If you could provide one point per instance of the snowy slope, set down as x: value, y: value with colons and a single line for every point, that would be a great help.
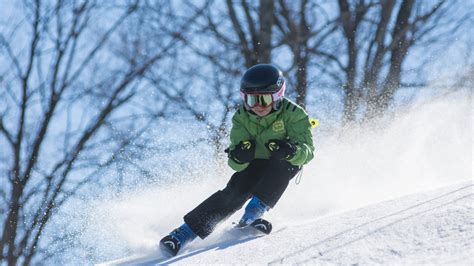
x: 371, y: 195
x: 434, y: 227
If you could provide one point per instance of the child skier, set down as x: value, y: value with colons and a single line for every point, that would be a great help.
x: 270, y: 141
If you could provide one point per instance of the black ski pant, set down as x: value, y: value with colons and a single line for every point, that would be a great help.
x: 266, y: 179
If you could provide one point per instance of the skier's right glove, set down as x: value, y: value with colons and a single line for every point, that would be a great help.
x: 243, y: 152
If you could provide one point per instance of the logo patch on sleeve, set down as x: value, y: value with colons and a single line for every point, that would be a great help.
x: 278, y: 126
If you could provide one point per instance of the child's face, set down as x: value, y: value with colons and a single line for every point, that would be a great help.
x: 262, y: 111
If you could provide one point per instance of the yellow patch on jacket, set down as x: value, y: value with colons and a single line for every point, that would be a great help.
x: 278, y: 126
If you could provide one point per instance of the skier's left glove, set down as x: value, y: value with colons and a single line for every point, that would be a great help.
x: 281, y: 149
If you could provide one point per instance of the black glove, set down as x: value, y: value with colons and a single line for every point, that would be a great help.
x: 281, y: 149
x: 243, y: 152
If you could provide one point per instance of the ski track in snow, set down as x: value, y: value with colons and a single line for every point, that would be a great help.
x: 402, y: 235
x: 434, y: 227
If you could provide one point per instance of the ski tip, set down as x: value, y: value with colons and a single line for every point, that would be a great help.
x: 170, y: 246
x: 263, y: 226
x: 260, y: 224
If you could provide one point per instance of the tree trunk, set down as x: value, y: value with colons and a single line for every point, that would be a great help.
x: 264, y: 46
x: 301, y: 79
x: 400, y: 44
x: 350, y: 106
x: 11, y: 224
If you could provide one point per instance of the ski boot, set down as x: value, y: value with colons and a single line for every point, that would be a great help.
x: 172, y: 243
x: 253, y: 211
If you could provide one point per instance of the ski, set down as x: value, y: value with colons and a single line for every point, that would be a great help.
x: 260, y: 224
x: 170, y: 245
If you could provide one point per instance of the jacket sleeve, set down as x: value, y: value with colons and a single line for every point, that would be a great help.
x: 238, y: 133
x: 299, y: 132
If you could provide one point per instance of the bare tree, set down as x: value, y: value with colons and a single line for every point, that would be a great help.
x: 303, y: 26
x: 255, y: 43
x: 379, y: 36
x: 245, y: 27
x: 63, y: 114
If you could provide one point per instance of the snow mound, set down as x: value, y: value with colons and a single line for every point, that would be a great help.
x: 433, y: 227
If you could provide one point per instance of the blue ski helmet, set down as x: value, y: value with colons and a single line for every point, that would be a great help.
x: 262, y: 79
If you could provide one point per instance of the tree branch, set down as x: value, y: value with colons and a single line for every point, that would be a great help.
x: 240, y: 33
x: 5, y: 132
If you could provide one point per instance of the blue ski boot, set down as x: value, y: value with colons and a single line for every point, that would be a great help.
x: 173, y: 242
x: 254, y: 210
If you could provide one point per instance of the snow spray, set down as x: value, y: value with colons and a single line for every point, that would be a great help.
x: 422, y: 147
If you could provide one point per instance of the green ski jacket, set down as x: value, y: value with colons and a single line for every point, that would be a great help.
x: 289, y: 122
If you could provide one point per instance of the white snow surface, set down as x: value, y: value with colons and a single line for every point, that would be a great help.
x: 400, y: 194
x: 433, y: 227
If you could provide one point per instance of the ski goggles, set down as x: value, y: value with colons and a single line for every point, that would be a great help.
x: 262, y: 100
